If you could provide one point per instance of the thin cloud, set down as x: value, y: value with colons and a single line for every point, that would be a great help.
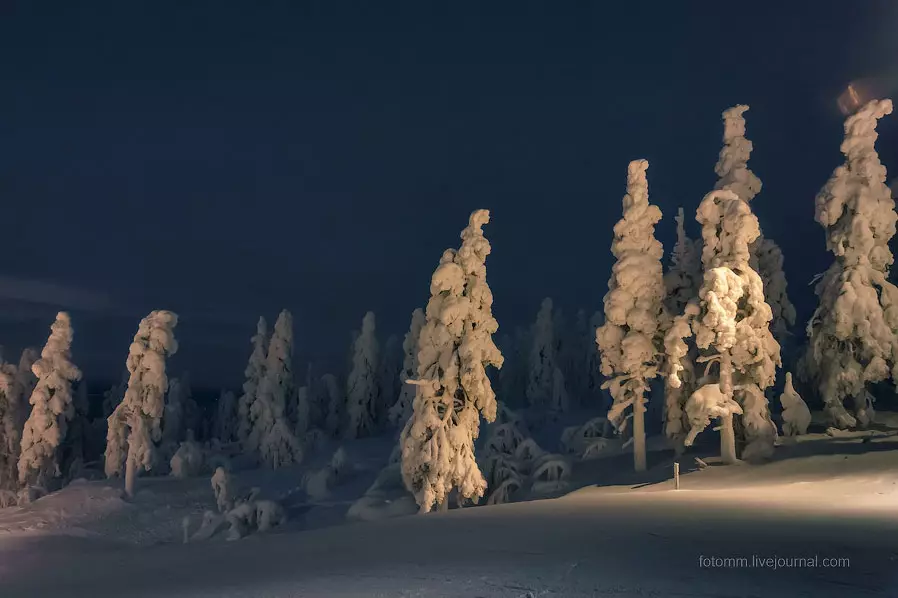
x: 52, y: 294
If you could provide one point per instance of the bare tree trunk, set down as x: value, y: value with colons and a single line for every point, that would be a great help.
x: 444, y: 505
x: 727, y: 436
x: 639, y: 462
x: 130, y: 477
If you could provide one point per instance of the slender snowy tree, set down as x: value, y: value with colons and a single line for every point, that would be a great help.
x: 173, y: 428
x: 254, y: 372
x: 361, y: 386
x: 25, y: 381
x: 336, y: 403
x: 226, y: 417
x: 542, y: 359
x: 114, y: 395
x: 766, y: 256
x: 10, y: 437
x: 454, y: 348
x: 137, y: 421
x: 388, y: 377
x: 402, y: 408
x: 853, y: 334
x: 631, y: 338
x: 730, y: 321
x: 682, y: 283
x: 52, y: 407
x: 278, y: 446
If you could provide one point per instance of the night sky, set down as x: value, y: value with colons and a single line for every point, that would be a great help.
x: 228, y: 159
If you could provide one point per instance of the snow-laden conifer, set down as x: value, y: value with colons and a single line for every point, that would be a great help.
x: 272, y: 433
x: 225, y: 429
x: 137, y: 421
x: 390, y: 370
x: 454, y: 348
x: 25, y: 381
x: 254, y: 372
x: 630, y: 340
x: 853, y: 334
x: 402, y: 408
x: 10, y: 438
x: 362, y: 384
x: 766, y: 256
x: 542, y: 359
x: 796, y: 415
x: 336, y: 403
x: 730, y: 322
x: 173, y: 428
x: 52, y: 406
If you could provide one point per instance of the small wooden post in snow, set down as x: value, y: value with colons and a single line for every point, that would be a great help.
x: 676, y: 475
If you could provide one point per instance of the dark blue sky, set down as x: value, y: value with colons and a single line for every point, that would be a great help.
x: 227, y: 159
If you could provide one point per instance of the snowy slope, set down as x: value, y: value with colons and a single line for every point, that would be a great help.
x: 829, y: 497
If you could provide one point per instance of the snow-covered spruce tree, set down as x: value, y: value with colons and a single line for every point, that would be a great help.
x: 137, y: 421
x: 271, y: 432
x: 402, y: 408
x: 10, y: 438
x: 226, y: 417
x: 114, y: 395
x: 766, y: 256
x: 173, y: 428
x: 796, y: 415
x: 361, y: 385
x: 681, y: 282
x: 853, y: 334
x: 254, y: 372
x: 25, y: 381
x: 52, y: 406
x: 454, y: 348
x: 391, y: 361
x: 635, y: 319
x: 542, y: 359
x: 336, y: 403
x: 730, y: 322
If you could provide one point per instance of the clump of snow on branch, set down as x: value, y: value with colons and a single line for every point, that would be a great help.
x: 853, y: 334
x: 254, y: 372
x: 796, y: 415
x: 51, y: 406
x: 277, y: 444
x: 454, y: 348
x: 402, y: 408
x: 684, y: 276
x: 137, y: 419
x: 634, y: 312
x: 362, y: 383
x: 707, y: 403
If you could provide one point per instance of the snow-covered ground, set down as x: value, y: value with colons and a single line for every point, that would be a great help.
x: 822, y: 497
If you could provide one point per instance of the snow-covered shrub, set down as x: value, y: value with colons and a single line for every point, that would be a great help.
x: 188, y: 460
x: 386, y: 498
x: 630, y: 341
x: 759, y: 430
x: 52, y: 406
x: 362, y: 385
x: 223, y: 488
x: 853, y: 334
x: 454, y: 349
x: 277, y: 445
x: 542, y: 359
x: 589, y: 440
x: 137, y: 420
x: 318, y: 483
x: 549, y: 473
x: 402, y: 408
x: 255, y: 371
x: 796, y: 415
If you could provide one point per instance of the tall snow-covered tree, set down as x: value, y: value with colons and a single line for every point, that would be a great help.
x: 454, y: 348
x: 388, y: 377
x: 540, y: 380
x: 225, y: 429
x: 52, y: 406
x: 853, y: 334
x: 361, y: 385
x: 277, y: 445
x: 25, y: 381
x: 682, y: 282
x: 402, y: 408
x: 114, y: 395
x: 766, y: 256
x: 137, y: 420
x: 10, y: 437
x: 630, y: 340
x: 254, y: 372
x: 730, y: 322
x: 173, y: 428
x: 336, y: 403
